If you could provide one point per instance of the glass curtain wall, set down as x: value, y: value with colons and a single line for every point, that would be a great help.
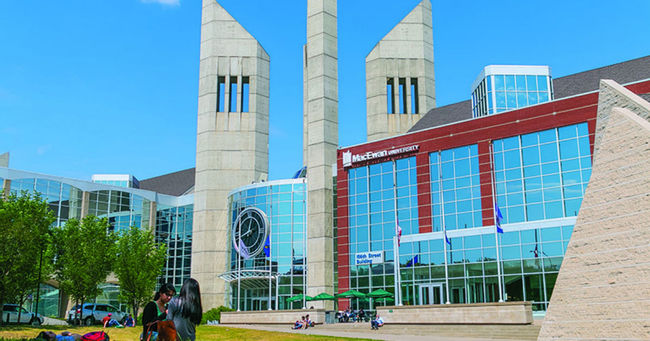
x: 123, y: 209
x: 64, y: 200
x: 542, y: 175
x: 455, y: 188
x: 284, y: 204
x: 540, y: 178
x: 374, y: 191
x: 174, y: 229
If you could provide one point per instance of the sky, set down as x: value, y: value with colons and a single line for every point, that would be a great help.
x: 96, y: 87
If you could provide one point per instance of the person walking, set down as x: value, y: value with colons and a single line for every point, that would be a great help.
x: 156, y: 310
x: 186, y: 310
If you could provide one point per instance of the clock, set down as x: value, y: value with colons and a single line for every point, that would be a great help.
x: 249, y: 231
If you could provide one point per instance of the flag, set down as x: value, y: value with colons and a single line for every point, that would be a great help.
x: 243, y: 250
x: 412, y: 261
x: 398, y: 232
x: 447, y: 239
x: 535, y: 252
x: 267, y: 246
x: 498, y: 216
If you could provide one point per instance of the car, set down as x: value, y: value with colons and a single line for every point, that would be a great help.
x: 10, y: 313
x: 94, y: 313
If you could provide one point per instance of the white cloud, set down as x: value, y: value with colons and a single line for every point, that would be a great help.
x: 164, y: 2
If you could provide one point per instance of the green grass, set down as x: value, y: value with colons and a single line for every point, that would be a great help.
x: 203, y: 333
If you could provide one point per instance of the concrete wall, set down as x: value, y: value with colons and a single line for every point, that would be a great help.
x: 272, y: 316
x: 231, y: 147
x: 602, y: 290
x: 477, y: 313
x: 4, y: 159
x: 406, y: 52
x: 322, y: 141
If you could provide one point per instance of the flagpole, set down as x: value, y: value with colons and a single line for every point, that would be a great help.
x: 396, y: 243
x: 494, y: 214
x: 270, y: 268
x: 444, y: 228
x: 238, y: 262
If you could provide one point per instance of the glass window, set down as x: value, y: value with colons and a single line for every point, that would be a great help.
x: 499, y: 82
x: 521, y: 82
x: 531, y: 82
x: 542, y: 84
x: 510, y: 82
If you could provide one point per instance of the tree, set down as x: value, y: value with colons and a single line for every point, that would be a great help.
x: 139, y: 262
x: 85, y: 253
x: 24, y: 224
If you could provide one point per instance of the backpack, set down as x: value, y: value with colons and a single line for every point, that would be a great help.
x: 46, y: 336
x: 95, y: 336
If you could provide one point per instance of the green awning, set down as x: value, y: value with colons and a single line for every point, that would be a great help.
x: 351, y: 294
x: 380, y: 293
x: 299, y: 297
x: 323, y: 296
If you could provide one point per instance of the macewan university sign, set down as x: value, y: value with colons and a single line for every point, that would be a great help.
x: 349, y: 159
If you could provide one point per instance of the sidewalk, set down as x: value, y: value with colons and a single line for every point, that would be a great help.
x: 409, y: 332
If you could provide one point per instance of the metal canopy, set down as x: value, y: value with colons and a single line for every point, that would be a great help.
x: 249, y: 279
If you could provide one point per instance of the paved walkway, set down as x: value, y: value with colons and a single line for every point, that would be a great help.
x: 387, y: 332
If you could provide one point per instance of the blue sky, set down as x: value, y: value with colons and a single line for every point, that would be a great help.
x: 92, y: 87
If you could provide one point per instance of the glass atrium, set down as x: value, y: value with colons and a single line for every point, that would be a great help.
x: 267, y: 263
x: 505, y: 87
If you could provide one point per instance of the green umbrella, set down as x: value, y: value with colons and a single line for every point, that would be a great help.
x: 380, y: 293
x: 351, y: 294
x: 299, y: 297
x: 323, y: 296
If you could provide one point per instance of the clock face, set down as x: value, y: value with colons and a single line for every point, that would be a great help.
x: 251, y: 227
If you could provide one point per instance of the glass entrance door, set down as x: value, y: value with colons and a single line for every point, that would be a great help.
x: 431, y: 294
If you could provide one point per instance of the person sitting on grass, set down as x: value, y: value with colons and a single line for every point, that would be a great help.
x: 297, y: 325
x: 130, y: 322
x: 109, y: 322
x: 309, y: 322
x: 376, y: 323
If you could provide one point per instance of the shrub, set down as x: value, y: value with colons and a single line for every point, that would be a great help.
x: 214, y: 314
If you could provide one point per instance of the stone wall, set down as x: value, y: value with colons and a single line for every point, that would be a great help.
x: 288, y: 317
x: 476, y: 313
x: 603, y: 288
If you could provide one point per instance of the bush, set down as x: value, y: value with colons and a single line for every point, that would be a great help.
x: 214, y: 314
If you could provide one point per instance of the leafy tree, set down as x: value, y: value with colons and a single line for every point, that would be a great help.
x: 139, y: 262
x: 24, y: 224
x: 85, y: 252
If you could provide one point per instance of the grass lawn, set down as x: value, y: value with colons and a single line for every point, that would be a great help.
x: 133, y: 334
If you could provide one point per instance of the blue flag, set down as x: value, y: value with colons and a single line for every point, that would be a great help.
x: 499, y: 217
x: 447, y: 239
x: 267, y: 246
x: 412, y: 261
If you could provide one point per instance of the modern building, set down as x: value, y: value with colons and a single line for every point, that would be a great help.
x: 440, y: 183
x: 121, y: 180
x: 267, y: 263
x: 411, y: 212
x: 505, y: 87
x: 169, y: 214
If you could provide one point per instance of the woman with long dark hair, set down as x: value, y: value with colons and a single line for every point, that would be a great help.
x: 186, y: 310
x: 156, y: 310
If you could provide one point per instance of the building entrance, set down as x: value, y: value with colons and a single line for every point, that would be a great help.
x: 431, y: 293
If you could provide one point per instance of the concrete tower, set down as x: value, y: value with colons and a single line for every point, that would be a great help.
x: 232, y: 138
x: 400, y: 86
x: 321, y: 72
